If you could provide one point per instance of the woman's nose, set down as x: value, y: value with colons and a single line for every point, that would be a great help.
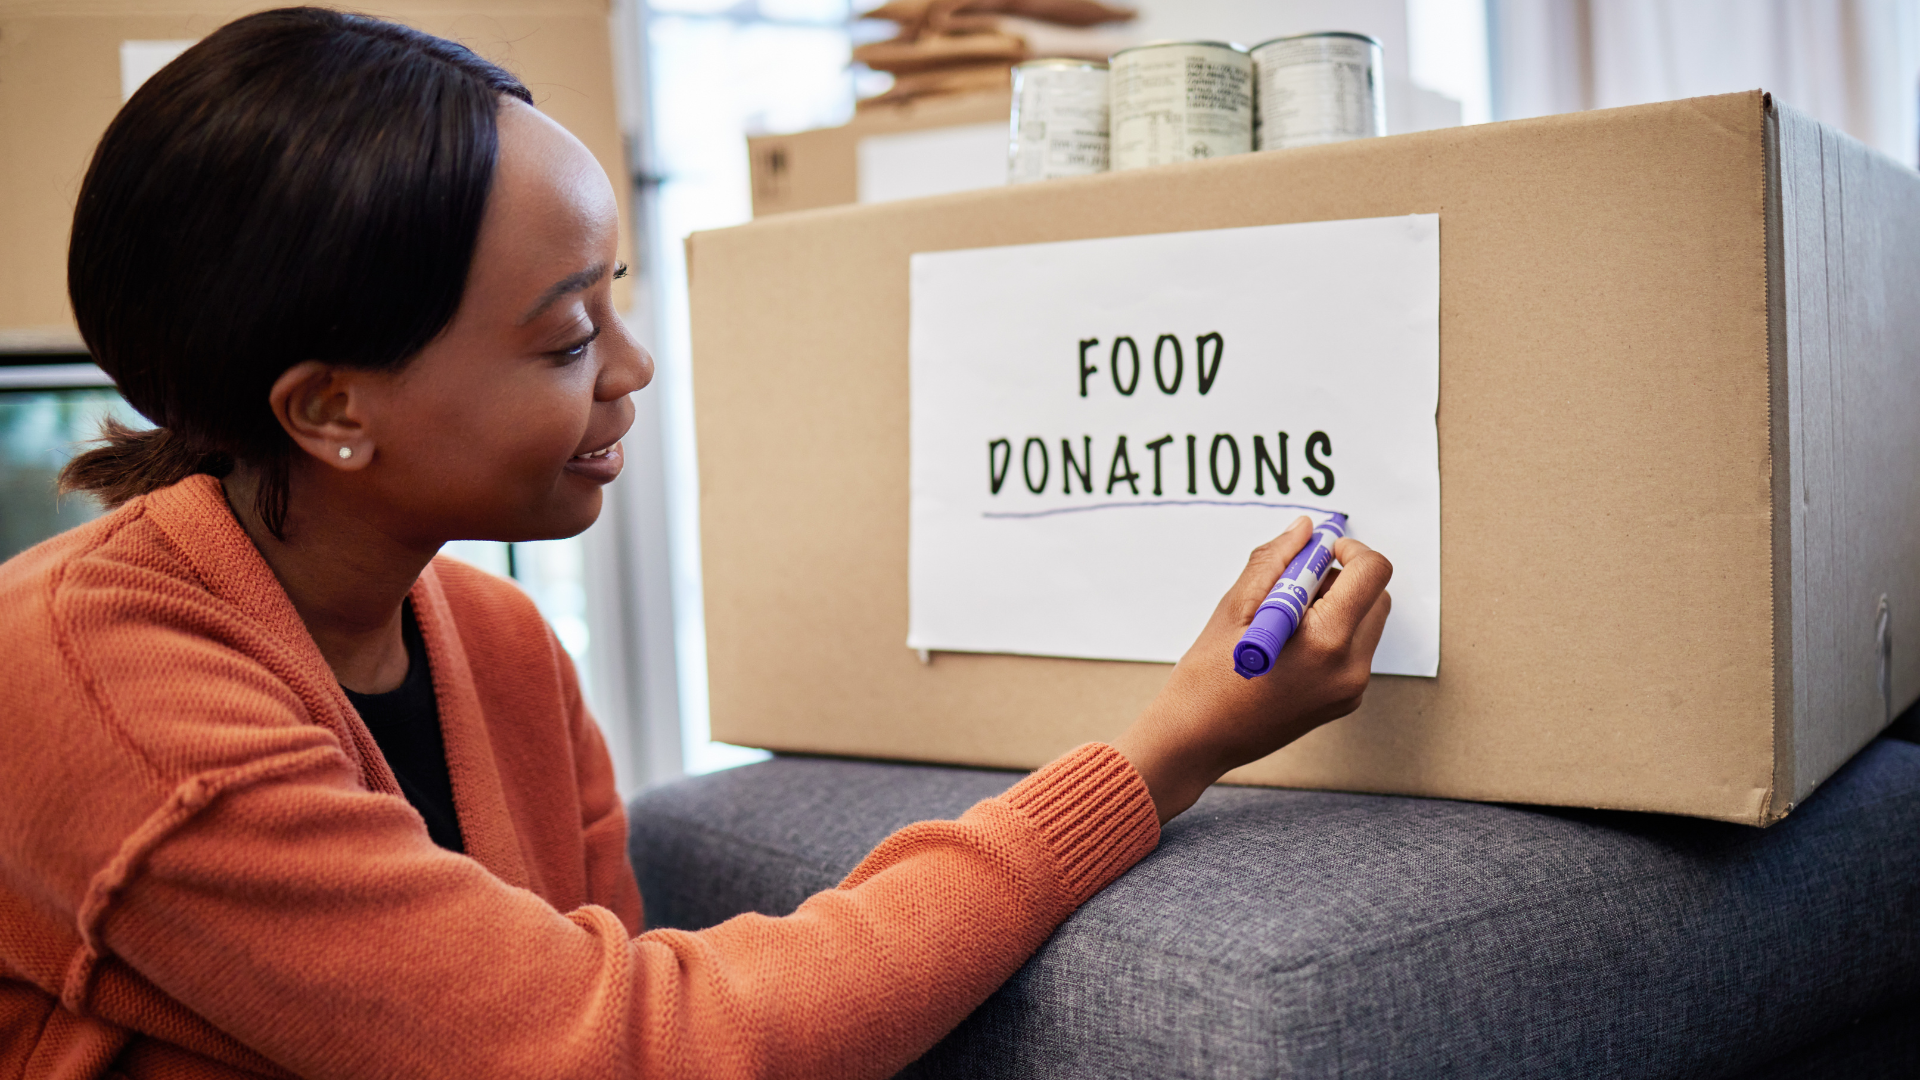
x: 628, y: 366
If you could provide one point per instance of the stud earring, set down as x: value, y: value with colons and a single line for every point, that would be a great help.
x: 346, y: 452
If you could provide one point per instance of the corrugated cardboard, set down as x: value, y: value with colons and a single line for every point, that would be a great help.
x: 1845, y: 249
x: 819, y: 168
x: 1679, y: 365
x: 60, y: 85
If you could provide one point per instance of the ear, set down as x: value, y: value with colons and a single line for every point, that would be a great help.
x: 319, y: 406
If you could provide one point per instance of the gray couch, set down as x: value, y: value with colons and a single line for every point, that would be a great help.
x: 1289, y: 933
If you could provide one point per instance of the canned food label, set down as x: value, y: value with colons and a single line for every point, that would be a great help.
x: 1059, y: 123
x: 1317, y: 89
x: 1180, y: 103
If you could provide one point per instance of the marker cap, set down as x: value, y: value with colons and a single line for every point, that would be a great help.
x: 1261, y: 644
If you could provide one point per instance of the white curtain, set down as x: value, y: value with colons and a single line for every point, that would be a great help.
x: 1854, y: 64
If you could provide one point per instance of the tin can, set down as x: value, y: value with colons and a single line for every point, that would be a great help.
x: 1180, y: 101
x: 1318, y: 88
x: 1059, y: 123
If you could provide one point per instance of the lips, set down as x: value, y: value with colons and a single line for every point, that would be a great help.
x: 600, y: 465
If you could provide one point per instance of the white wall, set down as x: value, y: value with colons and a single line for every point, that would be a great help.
x: 1854, y: 64
x: 1447, y: 52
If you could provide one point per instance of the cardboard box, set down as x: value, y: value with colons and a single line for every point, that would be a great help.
x: 819, y: 168
x: 1680, y: 361
x: 60, y: 86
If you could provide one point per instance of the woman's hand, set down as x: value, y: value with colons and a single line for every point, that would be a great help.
x: 1208, y: 720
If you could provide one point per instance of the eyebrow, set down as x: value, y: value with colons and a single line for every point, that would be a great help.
x: 570, y: 283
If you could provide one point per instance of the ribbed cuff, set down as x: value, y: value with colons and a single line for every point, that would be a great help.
x: 1094, y: 812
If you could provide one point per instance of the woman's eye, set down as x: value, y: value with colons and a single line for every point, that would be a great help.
x: 576, y: 350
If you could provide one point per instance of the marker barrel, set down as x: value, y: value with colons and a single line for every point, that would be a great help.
x: 1280, y: 613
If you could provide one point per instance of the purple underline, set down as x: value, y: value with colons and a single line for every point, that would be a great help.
x: 1152, y: 502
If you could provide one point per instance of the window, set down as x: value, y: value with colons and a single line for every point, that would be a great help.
x: 46, y: 412
x: 718, y: 71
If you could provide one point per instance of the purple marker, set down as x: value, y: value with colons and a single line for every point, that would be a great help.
x: 1279, y: 614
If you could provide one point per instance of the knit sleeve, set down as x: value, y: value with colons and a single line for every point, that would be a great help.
x: 1095, y: 813
x: 310, y: 921
x: 603, y: 825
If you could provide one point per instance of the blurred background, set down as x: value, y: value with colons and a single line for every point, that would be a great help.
x: 668, y: 94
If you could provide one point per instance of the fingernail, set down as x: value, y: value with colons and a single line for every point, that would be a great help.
x: 1299, y: 521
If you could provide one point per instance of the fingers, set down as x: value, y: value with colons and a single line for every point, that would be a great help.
x: 1366, y: 636
x: 1264, y: 567
x: 1346, y: 549
x: 1363, y: 579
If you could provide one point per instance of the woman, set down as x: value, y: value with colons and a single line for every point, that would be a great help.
x: 285, y: 795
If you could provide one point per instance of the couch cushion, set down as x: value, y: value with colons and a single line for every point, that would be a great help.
x: 1281, y: 932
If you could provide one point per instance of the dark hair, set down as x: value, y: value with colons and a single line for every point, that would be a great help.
x: 303, y: 184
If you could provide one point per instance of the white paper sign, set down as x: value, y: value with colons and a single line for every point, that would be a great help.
x: 1103, y: 429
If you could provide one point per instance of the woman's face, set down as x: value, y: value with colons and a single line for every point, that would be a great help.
x: 507, y: 426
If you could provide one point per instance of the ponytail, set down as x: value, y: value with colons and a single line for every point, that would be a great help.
x: 129, y: 463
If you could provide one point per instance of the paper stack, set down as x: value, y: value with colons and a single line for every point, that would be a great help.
x: 957, y: 46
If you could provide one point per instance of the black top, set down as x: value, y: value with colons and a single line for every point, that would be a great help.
x: 405, y: 722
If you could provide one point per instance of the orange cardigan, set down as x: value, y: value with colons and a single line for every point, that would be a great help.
x: 207, y: 870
